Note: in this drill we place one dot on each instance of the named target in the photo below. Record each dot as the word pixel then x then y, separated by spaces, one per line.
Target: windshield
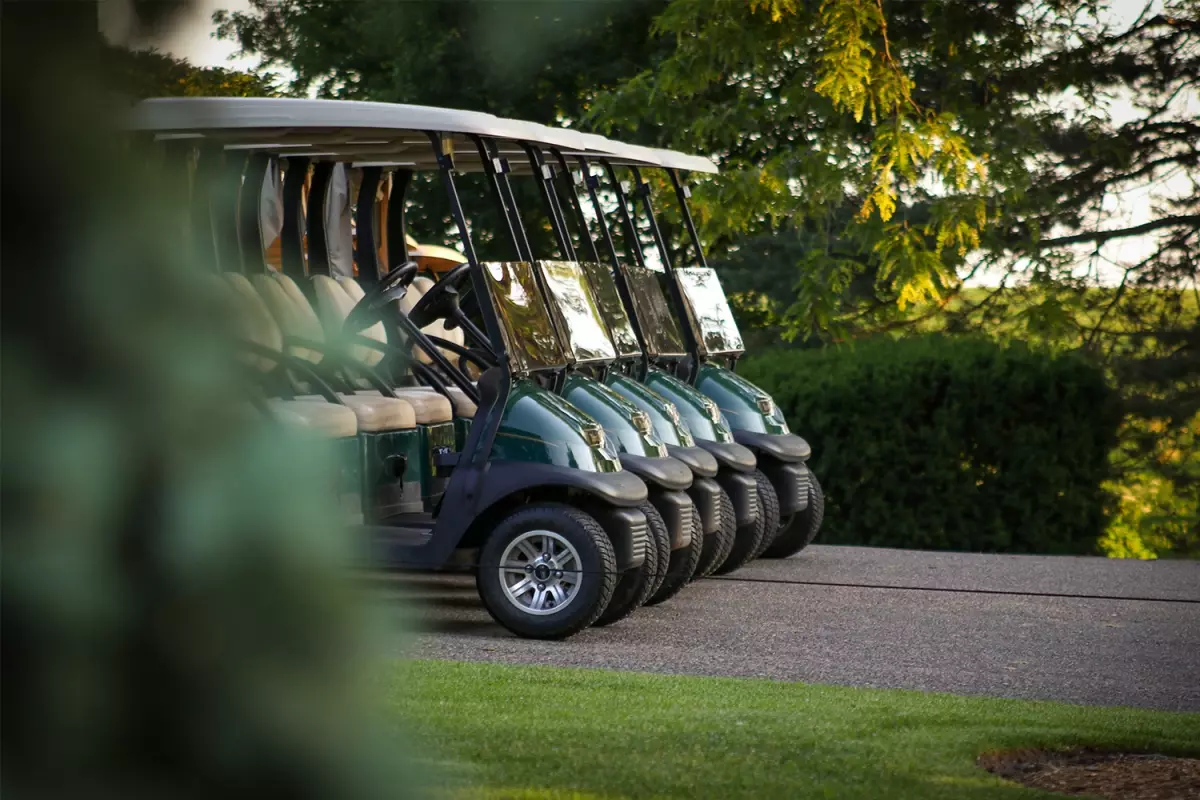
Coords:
pixel 604 289
pixel 659 326
pixel 719 334
pixel 572 300
pixel 524 318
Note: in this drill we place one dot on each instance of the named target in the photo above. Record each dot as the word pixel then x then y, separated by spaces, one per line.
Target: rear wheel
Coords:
pixel 798 531
pixel 718 545
pixel 768 508
pixel 636 585
pixel 681 565
pixel 547 571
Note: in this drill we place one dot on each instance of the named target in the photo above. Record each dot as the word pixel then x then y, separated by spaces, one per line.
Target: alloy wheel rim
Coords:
pixel 540 572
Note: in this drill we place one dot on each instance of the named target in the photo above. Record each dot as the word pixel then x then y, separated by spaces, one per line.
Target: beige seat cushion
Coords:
pixel 335 300
pixel 375 413
pixel 323 418
pixel 255 320
pixel 292 311
pixel 430 407
pixel 463 406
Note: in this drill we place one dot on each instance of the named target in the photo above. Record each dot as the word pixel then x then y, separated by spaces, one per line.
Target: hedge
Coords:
pixel 951 443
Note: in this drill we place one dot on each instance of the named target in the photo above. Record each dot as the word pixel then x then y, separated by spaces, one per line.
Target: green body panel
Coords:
pixel 670 426
pixel 613 412
pixel 541 427
pixel 741 401
pixel 381 494
pixel 349 481
pixel 693 406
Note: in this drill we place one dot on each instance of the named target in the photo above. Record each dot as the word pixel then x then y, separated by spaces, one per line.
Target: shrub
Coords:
pixel 951 443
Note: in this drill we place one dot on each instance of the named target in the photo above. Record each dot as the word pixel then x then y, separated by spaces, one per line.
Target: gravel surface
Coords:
pixel 1080 650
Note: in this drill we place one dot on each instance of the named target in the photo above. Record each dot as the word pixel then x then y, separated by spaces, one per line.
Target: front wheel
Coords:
pixel 718 546
pixel 768 508
pixel 547 571
pixel 637 584
pixel 798 530
pixel 682 564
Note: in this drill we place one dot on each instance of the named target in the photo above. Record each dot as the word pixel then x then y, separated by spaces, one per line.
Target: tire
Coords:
pixel 768 509
pixel 746 542
pixel 636 585
pixel 801 528
pixel 541 526
pixel 681 566
pixel 718 545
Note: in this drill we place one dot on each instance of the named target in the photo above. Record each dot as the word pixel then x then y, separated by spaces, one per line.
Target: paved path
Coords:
pixel 977 624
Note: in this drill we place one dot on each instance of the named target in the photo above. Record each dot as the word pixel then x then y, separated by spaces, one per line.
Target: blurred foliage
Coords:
pixel 176 612
pixel 138 74
pixel 951 443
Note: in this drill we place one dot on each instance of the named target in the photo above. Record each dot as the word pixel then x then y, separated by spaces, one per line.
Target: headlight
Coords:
pixel 641 421
pixel 714 413
pixel 672 412
pixel 594 436
pixel 765 404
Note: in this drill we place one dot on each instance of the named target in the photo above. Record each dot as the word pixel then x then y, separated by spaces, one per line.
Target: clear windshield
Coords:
pixel 659 326
pixel 523 315
pixel 719 334
pixel 604 289
pixel 578 312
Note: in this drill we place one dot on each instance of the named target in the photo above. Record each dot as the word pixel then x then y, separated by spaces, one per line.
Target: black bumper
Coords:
pixel 743 491
pixel 706 496
pixel 780 446
pixel 629 532
pixel 791 482
pixel 676 510
pixel 697 459
pixel 666 473
pixel 729 454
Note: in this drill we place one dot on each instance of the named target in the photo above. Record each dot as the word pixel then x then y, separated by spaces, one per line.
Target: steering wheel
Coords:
pixel 391 286
pixel 441 301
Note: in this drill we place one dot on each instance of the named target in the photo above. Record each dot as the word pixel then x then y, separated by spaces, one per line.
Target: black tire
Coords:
pixel 768 509
pixel 597 573
pixel 636 585
pixel 800 529
pixel 745 544
pixel 718 545
pixel 681 566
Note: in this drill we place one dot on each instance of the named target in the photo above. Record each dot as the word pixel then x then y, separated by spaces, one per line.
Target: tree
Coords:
pixel 139 74
pixel 531 59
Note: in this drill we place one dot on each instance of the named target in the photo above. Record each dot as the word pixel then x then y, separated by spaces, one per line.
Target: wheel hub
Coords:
pixel 540 572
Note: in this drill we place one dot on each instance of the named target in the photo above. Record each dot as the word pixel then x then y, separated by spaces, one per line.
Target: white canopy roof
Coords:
pixel 392 134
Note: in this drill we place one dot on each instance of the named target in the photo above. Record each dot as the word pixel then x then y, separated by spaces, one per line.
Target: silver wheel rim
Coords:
pixel 540 572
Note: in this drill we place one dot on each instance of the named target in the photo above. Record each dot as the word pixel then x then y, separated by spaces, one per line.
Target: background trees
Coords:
pixel 1027 170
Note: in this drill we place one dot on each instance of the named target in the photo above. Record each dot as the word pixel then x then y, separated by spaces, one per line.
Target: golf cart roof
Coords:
pixel 383 134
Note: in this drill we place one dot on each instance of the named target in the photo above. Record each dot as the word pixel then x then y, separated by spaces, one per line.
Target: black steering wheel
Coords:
pixel 391 286
pixel 441 301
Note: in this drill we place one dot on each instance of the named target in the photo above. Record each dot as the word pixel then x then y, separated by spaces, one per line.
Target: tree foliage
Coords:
pixel 139 74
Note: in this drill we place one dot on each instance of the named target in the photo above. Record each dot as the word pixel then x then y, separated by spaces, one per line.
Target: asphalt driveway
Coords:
pixel 1081 630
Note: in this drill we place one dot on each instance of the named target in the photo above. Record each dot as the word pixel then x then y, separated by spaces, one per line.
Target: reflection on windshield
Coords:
pixel 604 290
pixel 572 300
pixel 706 301
pixel 524 319
pixel 659 326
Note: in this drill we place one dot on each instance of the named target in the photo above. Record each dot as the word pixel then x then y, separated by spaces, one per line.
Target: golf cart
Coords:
pixel 537 490
pixel 714 344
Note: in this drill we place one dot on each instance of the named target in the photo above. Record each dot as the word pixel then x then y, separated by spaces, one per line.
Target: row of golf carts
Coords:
pixel 566 424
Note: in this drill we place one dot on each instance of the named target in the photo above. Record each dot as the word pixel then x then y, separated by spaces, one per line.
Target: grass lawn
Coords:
pixel 532 732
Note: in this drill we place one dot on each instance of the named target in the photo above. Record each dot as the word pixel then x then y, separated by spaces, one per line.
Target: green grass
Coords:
pixel 531 732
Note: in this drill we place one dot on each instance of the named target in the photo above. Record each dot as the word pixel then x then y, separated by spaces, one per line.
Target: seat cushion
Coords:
pixel 374 413
pixel 292 311
pixel 335 300
pixel 463 406
pixel 325 419
pixel 430 407
pixel 254 319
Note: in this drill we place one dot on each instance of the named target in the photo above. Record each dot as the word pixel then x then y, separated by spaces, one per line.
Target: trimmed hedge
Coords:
pixel 950 443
